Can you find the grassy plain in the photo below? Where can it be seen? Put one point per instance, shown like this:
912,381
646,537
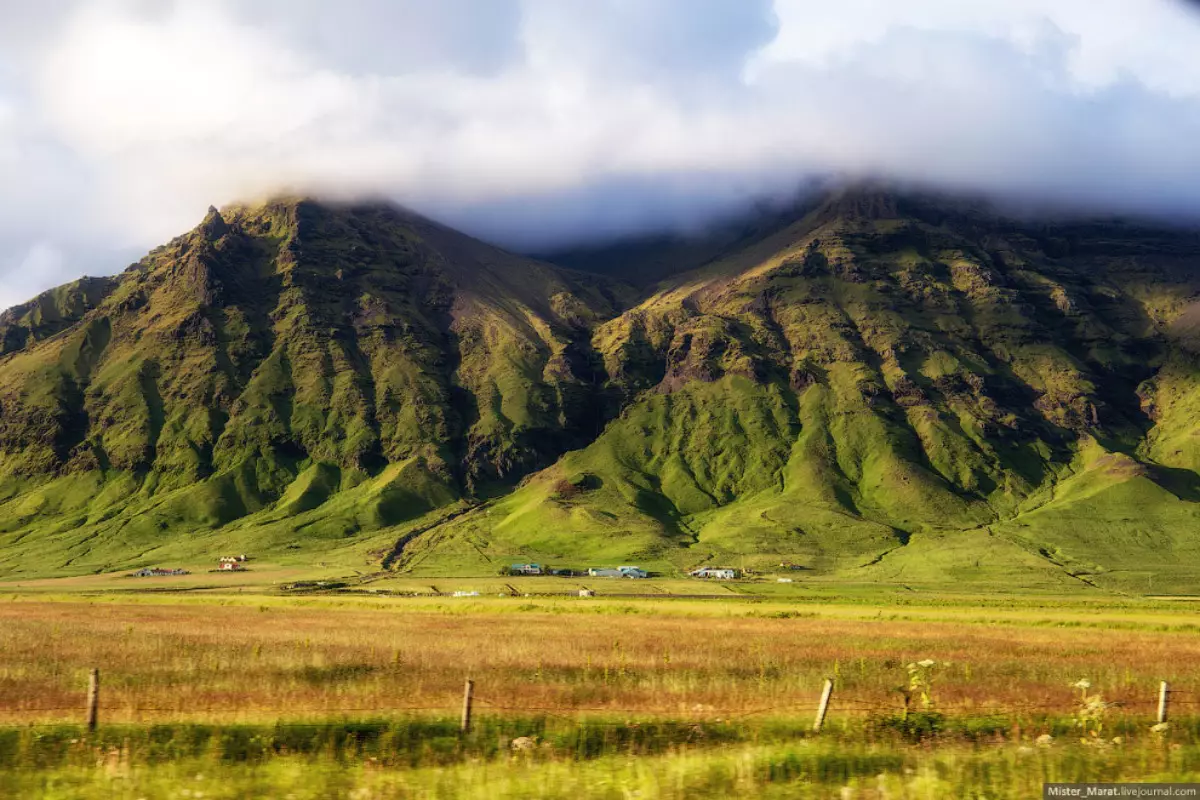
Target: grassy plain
229,694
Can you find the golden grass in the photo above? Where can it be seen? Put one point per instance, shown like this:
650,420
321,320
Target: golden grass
254,659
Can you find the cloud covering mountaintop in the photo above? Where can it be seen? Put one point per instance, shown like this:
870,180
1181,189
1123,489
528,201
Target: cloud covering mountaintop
536,122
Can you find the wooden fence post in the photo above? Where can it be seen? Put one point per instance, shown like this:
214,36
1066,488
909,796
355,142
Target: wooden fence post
93,699
823,708
1164,701
468,696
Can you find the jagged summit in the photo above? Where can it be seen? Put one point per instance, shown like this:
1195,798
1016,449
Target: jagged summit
213,227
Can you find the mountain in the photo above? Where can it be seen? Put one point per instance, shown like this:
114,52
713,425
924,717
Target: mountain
892,387
281,358
881,386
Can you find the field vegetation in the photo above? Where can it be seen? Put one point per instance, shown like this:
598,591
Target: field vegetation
242,695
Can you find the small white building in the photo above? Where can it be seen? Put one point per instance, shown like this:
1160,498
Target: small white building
715,573
587,593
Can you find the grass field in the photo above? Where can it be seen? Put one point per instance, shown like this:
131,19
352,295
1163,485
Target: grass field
227,694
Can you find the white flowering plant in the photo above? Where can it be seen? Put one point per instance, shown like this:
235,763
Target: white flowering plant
1090,716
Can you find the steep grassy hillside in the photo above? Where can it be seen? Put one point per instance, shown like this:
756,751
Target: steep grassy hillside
881,387
279,359
51,312
883,371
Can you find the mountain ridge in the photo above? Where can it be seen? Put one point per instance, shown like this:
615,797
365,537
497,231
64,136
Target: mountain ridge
837,389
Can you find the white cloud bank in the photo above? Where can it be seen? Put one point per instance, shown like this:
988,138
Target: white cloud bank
535,121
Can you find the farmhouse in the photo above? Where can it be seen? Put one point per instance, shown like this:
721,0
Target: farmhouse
717,573
526,569
230,566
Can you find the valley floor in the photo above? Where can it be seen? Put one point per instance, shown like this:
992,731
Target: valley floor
220,693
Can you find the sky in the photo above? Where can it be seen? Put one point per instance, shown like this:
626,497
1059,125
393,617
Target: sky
537,123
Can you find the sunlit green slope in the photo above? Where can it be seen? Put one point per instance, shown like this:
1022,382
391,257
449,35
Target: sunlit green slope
882,373
279,359
886,388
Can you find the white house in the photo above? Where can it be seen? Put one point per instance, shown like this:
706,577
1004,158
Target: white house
717,573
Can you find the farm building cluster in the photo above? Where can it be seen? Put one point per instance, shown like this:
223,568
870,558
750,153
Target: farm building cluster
231,563
224,564
618,572
158,572
533,569
627,571
592,572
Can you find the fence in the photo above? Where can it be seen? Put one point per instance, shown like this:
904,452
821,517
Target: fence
827,700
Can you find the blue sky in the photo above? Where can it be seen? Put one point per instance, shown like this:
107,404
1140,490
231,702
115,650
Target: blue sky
536,122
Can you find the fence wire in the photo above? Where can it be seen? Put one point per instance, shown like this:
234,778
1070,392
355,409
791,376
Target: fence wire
845,705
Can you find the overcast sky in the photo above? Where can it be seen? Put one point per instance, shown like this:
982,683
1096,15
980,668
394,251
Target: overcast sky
534,121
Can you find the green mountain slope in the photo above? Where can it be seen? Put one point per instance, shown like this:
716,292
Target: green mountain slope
883,387
883,371
51,312
278,358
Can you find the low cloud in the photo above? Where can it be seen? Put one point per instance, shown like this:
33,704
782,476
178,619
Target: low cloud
539,122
